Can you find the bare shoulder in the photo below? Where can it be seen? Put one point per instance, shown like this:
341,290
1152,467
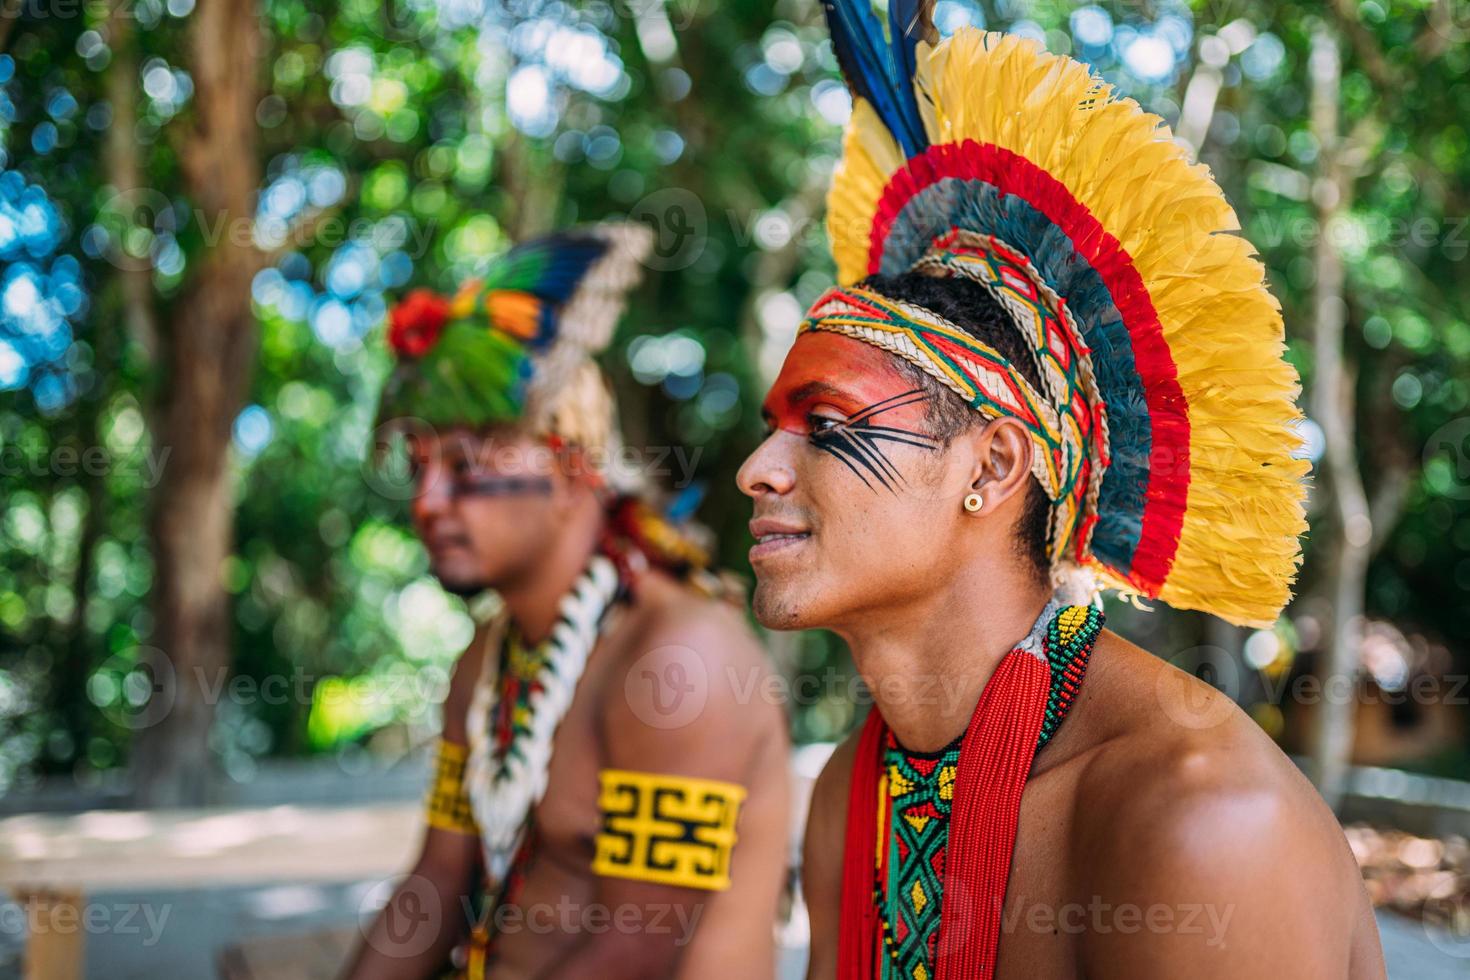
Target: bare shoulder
665,611
677,639
828,813
463,677
1183,800
1181,761
690,666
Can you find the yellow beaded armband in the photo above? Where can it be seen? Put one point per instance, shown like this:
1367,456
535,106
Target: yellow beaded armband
447,806
671,830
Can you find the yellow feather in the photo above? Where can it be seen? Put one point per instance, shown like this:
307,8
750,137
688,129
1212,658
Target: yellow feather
1239,551
870,158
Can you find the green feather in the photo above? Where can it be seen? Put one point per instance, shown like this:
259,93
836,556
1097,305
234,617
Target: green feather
471,376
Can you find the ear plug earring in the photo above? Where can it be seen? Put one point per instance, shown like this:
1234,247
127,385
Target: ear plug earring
973,502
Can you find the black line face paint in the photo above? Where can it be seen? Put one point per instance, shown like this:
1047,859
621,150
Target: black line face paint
503,486
858,443
875,406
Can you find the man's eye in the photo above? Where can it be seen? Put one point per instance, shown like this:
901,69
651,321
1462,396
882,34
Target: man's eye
819,424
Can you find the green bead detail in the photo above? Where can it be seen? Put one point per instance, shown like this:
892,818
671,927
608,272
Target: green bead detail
1068,660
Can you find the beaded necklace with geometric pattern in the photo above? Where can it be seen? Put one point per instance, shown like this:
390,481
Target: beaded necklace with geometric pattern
920,791
914,796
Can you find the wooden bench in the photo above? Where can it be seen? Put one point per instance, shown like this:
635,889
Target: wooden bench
51,863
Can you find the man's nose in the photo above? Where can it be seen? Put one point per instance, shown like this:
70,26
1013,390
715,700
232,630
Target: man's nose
767,470
430,494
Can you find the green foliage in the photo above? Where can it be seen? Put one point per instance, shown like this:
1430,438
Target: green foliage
404,147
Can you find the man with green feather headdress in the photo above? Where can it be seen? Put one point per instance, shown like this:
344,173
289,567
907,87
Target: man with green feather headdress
597,806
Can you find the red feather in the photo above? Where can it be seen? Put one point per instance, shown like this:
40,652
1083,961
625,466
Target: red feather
415,324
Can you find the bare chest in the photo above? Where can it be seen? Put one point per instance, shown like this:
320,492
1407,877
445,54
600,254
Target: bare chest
556,889
1042,916
566,818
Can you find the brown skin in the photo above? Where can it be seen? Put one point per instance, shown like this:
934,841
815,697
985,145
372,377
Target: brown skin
1162,834
530,546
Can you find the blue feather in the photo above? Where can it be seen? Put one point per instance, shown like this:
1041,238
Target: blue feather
683,506
880,68
550,268
907,20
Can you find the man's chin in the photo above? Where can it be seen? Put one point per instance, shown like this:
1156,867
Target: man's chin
779,609
464,586
464,590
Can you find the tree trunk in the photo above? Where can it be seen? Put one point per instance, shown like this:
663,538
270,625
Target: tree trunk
1334,405
533,187
210,352
125,173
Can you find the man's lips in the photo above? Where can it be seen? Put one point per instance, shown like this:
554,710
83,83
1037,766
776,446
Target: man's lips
773,536
446,542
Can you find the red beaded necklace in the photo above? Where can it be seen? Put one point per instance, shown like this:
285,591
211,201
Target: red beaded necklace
1021,707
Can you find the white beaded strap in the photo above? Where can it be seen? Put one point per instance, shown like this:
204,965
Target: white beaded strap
502,795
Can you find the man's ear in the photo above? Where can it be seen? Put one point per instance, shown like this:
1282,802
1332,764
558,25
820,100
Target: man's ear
1002,460
574,467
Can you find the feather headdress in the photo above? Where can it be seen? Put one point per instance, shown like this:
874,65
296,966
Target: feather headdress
1172,423
515,345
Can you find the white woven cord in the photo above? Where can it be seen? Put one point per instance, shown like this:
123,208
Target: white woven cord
503,796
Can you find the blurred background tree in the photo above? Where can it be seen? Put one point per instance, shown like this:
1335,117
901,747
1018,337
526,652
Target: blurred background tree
206,206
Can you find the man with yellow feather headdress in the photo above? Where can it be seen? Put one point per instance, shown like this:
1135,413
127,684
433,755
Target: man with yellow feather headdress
1048,368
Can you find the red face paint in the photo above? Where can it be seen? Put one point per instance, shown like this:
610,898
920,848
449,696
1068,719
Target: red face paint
849,400
848,379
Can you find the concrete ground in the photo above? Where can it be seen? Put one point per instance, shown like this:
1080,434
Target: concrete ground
179,934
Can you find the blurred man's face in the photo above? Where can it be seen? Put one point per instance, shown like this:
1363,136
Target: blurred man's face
487,506
856,504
